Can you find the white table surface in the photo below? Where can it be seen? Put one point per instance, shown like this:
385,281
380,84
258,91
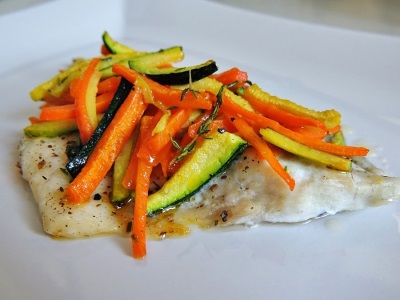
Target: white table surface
378,16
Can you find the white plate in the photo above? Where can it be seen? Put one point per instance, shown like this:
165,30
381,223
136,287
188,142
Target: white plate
353,255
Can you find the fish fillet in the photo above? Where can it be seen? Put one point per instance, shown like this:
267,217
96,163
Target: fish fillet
249,193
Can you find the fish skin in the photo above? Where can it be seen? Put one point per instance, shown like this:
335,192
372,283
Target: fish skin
250,193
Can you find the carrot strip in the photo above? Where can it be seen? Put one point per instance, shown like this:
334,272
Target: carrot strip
85,100
284,117
321,145
129,181
61,112
217,124
144,169
158,141
170,97
313,132
234,109
164,158
247,132
107,148
330,118
230,107
74,88
221,124
168,161
108,85
138,235
103,101
68,111
193,128
230,76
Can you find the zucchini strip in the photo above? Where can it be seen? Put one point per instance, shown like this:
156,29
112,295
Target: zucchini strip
115,47
75,165
213,157
176,76
51,128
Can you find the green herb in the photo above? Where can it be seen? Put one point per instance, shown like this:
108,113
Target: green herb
201,132
185,91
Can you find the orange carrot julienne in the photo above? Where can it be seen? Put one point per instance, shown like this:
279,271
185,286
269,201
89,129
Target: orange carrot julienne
138,234
149,123
67,111
165,157
74,88
157,142
129,180
234,109
85,100
59,112
259,121
216,124
221,124
108,85
230,76
108,148
170,97
285,118
193,128
247,132
142,182
317,133
103,101
230,107
318,144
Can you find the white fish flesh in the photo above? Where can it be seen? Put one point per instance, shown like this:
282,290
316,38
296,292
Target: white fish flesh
249,193
42,162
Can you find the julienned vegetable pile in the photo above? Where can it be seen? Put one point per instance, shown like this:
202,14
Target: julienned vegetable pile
136,112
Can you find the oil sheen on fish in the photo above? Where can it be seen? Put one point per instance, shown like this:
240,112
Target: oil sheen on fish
249,193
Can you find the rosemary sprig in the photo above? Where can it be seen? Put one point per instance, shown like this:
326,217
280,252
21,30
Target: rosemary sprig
201,132
184,92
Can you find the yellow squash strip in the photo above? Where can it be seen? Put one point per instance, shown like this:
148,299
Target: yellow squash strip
162,123
119,192
61,82
72,72
283,142
331,117
213,86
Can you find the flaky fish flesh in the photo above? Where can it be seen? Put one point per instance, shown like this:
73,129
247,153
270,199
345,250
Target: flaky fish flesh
249,193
